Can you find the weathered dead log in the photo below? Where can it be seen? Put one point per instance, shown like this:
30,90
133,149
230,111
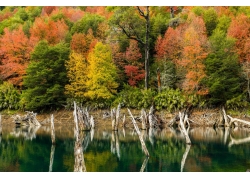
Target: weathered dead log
183,128
52,152
232,120
115,114
53,138
27,120
184,157
139,134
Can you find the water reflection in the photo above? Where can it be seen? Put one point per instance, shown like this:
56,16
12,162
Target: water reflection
28,132
52,157
104,150
115,147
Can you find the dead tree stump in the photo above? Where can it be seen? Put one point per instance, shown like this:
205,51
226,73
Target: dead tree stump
115,114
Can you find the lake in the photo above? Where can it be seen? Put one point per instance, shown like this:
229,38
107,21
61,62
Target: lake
212,150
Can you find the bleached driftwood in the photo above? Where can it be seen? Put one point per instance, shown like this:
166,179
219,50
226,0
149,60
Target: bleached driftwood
232,120
27,120
139,134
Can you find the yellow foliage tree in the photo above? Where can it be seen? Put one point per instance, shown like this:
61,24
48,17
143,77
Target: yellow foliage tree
77,73
102,73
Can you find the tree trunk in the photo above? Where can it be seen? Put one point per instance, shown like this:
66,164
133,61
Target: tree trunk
53,139
150,117
183,128
226,123
115,114
144,119
139,134
147,49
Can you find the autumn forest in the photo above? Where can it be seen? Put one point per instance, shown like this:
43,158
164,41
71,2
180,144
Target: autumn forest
99,56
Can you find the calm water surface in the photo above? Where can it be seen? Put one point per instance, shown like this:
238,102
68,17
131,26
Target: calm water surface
212,150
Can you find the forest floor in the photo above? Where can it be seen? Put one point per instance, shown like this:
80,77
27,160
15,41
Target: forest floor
206,117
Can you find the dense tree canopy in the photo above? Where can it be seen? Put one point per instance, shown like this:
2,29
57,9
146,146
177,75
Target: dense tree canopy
103,55
46,77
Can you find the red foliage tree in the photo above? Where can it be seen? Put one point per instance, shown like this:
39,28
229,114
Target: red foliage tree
47,10
15,55
169,46
133,70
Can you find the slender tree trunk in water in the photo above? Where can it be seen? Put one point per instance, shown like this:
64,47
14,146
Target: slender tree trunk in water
139,134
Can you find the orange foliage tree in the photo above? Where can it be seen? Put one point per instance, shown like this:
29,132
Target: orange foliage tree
240,30
83,44
15,49
51,31
195,50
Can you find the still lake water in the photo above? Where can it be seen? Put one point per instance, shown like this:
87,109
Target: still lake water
212,150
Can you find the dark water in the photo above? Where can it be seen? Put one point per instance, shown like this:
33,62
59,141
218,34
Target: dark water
212,150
